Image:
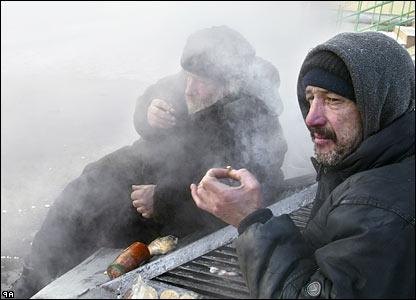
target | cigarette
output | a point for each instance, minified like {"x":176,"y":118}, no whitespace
{"x":232,"y":175}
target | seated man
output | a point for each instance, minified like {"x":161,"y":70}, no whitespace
{"x":357,"y":95}
{"x":207,"y":115}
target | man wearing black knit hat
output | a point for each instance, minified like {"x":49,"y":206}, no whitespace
{"x":325,"y":72}
{"x":222,"y":102}
{"x":357,"y":95}
{"x":204,"y":116}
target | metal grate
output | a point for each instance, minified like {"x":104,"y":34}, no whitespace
{"x":197,"y":276}
{"x":301,"y":216}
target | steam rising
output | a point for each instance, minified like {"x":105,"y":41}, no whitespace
{"x":71,"y":74}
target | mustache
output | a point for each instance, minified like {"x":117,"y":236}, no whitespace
{"x":326,"y":133}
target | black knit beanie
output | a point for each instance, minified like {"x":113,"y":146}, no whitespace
{"x":326,"y":70}
{"x":219,"y":53}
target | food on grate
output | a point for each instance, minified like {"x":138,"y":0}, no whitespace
{"x":141,"y":290}
{"x":128,"y":294}
{"x":138,"y":253}
{"x":169,"y":294}
{"x":162,"y":245}
{"x":187,"y":296}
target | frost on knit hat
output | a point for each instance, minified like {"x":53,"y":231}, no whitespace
{"x":218,"y":53}
{"x":326,"y":70}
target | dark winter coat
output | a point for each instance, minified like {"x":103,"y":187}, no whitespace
{"x":360,"y":239}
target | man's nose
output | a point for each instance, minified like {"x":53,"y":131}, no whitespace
{"x":316,"y":115}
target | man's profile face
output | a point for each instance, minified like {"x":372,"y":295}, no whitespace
{"x":202,"y":92}
{"x":334,"y":123}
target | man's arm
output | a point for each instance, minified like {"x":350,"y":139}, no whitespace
{"x":354,"y":251}
{"x":359,"y":259}
{"x":161,"y":101}
{"x":274,"y":258}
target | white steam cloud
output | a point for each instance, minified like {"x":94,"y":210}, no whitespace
{"x":71,"y":73}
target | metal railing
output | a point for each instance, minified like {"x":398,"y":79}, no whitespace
{"x":376,"y":15}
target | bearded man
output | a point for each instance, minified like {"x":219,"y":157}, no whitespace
{"x":201,"y":117}
{"x":357,"y":95}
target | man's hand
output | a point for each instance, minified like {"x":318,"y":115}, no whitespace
{"x":142,"y":197}
{"x":160,"y":114}
{"x":230,"y":204}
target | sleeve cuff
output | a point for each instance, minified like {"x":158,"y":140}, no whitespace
{"x":259,"y":216}
{"x":160,"y":207}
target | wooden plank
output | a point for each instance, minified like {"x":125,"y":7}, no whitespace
{"x":406,"y":34}
{"x":80,"y":279}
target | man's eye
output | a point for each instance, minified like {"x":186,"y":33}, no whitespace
{"x":309,"y":99}
{"x":333,"y":100}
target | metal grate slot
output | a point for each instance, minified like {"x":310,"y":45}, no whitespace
{"x":205,"y":287}
{"x":204,"y":270}
{"x":229,"y":247}
{"x":217,"y":264}
{"x":233,"y":261}
{"x":226,"y":252}
{"x":301,"y":216}
{"x":217,"y":280}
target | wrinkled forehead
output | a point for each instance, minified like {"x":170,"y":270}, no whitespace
{"x":310,"y":89}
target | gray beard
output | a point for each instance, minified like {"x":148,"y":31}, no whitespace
{"x":335,"y":156}
{"x":196,"y":105}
